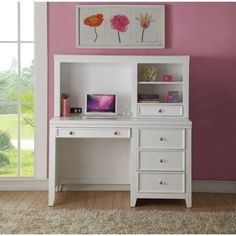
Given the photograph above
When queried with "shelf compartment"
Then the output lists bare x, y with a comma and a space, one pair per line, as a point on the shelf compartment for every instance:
173, 69
162, 91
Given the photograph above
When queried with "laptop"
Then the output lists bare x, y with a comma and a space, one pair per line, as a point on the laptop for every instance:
101, 105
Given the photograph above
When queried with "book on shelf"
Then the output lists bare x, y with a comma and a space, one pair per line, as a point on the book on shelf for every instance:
148, 98
148, 101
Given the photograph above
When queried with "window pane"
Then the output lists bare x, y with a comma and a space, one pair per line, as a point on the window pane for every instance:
27, 55
27, 140
8, 72
8, 21
27, 20
8, 140
27, 72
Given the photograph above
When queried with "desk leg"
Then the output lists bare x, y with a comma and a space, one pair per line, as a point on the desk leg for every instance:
188, 198
52, 168
188, 201
133, 164
133, 201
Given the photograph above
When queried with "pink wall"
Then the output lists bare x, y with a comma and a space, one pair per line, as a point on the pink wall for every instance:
206, 32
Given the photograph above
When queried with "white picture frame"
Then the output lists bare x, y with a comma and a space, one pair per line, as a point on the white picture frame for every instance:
120, 26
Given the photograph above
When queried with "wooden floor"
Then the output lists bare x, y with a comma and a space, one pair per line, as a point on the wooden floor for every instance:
113, 200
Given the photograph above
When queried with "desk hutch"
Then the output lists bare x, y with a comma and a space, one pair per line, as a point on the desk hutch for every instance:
146, 149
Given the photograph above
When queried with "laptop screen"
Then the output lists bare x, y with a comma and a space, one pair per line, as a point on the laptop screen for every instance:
101, 103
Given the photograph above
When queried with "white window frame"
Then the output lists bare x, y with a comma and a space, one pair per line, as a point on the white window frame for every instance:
41, 75
18, 103
39, 181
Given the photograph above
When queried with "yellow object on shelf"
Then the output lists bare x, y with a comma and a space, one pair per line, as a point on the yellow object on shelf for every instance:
148, 74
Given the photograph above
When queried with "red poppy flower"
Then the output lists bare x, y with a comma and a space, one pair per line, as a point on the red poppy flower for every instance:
94, 20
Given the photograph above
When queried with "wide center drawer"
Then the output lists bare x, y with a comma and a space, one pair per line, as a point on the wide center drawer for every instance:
93, 133
162, 138
161, 160
161, 183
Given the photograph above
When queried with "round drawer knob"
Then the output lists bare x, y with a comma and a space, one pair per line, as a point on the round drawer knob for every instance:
71, 132
160, 110
162, 139
161, 182
161, 160
116, 133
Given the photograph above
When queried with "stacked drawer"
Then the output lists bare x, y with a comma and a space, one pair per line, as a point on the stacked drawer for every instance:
161, 161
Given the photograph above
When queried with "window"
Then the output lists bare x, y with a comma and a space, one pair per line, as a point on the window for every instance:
17, 122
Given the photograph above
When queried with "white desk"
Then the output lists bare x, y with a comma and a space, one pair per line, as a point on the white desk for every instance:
160, 153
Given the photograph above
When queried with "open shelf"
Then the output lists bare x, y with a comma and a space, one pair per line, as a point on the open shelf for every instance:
159, 88
122, 75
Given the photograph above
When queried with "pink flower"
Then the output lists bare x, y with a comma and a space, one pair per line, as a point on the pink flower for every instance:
119, 23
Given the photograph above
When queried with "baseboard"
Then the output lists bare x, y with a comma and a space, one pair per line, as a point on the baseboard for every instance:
42, 185
214, 186
23, 184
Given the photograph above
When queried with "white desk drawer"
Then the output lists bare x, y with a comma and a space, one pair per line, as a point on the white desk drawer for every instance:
162, 138
159, 110
161, 160
162, 183
93, 133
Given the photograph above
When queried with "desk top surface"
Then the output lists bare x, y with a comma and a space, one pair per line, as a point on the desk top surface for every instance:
82, 121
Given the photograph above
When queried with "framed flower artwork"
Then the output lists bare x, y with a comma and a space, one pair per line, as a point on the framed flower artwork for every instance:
120, 26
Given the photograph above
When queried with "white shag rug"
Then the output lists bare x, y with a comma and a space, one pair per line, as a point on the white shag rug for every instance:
81, 221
